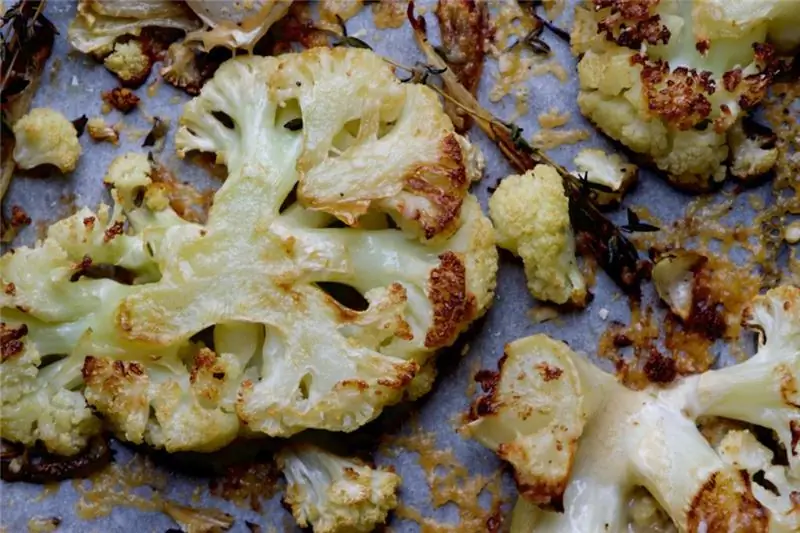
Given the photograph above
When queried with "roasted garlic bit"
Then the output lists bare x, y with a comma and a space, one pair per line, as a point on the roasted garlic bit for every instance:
675, 277
100, 131
46, 137
580, 442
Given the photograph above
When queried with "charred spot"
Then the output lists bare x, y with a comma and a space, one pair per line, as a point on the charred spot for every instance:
546, 494
113, 231
452, 305
10, 289
707, 315
702, 46
549, 373
464, 29
88, 223
358, 384
630, 23
11, 340
794, 426
726, 498
732, 79
660, 369
19, 217
121, 98
86, 268
36, 465
494, 523
204, 360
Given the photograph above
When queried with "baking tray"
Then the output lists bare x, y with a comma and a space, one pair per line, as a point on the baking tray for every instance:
72, 84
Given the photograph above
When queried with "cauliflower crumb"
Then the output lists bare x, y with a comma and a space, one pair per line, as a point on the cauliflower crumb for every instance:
553, 119
45, 136
603, 313
100, 131
129, 63
608, 170
531, 217
792, 232
549, 139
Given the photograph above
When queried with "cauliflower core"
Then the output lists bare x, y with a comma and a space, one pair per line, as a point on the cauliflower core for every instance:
132, 287
545, 398
334, 494
45, 137
668, 78
531, 216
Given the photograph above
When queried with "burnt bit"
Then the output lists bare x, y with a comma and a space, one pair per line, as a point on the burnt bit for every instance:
679, 96
11, 340
707, 315
10, 289
19, 217
113, 231
488, 380
549, 373
630, 23
464, 28
702, 46
121, 98
80, 124
794, 426
726, 498
660, 369
157, 133
453, 307
36, 465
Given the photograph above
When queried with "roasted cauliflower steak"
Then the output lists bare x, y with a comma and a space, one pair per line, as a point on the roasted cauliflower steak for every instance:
382, 206
580, 442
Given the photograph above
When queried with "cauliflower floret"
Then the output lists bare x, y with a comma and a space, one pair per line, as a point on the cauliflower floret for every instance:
669, 78
236, 25
336, 494
649, 438
531, 217
40, 405
126, 290
753, 152
45, 137
741, 450
99, 23
129, 63
609, 171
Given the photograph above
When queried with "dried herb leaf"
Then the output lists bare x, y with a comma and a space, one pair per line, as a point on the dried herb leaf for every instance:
635, 225
157, 132
295, 124
80, 124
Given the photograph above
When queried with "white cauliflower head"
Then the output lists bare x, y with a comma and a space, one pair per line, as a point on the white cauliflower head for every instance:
133, 286
238, 24
649, 438
531, 217
46, 137
668, 78
334, 494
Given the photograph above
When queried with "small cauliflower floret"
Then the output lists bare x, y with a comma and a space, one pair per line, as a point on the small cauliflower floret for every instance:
531, 217
129, 63
41, 405
753, 150
669, 78
649, 438
334, 494
778, 492
609, 171
675, 277
45, 137
236, 25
